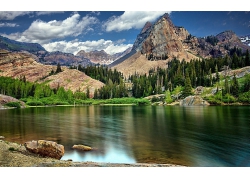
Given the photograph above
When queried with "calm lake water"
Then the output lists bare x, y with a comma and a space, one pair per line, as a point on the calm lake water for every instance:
192, 136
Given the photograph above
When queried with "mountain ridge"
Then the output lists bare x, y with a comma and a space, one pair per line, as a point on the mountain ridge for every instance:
163, 41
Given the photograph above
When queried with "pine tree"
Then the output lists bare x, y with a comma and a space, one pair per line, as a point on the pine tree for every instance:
217, 74
226, 86
188, 87
58, 69
247, 58
96, 94
88, 93
235, 87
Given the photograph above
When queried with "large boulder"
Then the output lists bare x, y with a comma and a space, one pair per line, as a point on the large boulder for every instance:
45, 148
193, 101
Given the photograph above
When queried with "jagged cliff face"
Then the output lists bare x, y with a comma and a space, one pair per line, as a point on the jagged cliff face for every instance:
163, 39
19, 64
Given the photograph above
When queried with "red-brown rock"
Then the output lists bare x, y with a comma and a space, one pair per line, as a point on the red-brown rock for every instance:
45, 148
82, 147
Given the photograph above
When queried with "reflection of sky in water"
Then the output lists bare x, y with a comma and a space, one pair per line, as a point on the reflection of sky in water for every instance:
111, 155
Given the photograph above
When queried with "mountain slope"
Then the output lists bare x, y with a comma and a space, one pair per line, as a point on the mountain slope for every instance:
19, 64
12, 45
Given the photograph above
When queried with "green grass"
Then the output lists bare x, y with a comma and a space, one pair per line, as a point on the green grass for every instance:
53, 100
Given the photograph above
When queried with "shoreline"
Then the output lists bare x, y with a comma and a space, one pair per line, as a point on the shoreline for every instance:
15, 155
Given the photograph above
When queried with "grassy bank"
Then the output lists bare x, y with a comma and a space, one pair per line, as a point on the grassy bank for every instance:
50, 101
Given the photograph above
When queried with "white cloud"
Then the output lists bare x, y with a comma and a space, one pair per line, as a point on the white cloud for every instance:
131, 19
10, 15
8, 25
43, 32
75, 46
39, 13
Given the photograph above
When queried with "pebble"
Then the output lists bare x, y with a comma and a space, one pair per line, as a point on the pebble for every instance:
2, 137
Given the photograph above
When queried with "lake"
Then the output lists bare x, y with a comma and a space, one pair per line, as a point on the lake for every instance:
192, 136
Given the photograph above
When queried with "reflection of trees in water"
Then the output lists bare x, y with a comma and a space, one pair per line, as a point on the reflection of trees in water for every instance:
217, 135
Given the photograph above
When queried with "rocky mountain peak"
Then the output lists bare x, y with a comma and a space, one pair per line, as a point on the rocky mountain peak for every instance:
147, 26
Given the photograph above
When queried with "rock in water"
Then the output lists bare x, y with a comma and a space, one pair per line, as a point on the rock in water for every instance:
45, 148
82, 147
193, 101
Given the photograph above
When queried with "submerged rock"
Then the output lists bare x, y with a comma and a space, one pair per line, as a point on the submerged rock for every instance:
82, 147
2, 137
45, 148
193, 101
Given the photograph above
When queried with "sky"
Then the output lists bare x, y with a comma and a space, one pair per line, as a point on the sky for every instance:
110, 30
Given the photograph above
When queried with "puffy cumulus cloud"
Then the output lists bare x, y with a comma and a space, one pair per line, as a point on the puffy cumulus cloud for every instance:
8, 25
10, 15
75, 46
131, 19
43, 32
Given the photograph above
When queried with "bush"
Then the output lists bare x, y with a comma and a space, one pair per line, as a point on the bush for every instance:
141, 102
35, 103
244, 97
154, 99
13, 104
213, 100
12, 149
228, 98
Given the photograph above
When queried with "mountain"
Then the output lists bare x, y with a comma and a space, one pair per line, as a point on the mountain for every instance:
101, 57
65, 59
12, 45
43, 56
163, 41
19, 64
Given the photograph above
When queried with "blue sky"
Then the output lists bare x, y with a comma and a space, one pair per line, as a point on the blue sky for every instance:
113, 31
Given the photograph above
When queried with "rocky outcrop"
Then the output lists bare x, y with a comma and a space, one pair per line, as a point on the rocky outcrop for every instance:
45, 148
193, 101
82, 147
7, 99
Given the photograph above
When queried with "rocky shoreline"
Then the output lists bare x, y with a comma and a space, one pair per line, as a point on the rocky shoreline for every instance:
15, 155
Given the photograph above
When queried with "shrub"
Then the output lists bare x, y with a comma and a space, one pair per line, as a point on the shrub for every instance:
154, 99
35, 103
13, 104
228, 98
244, 97
12, 149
